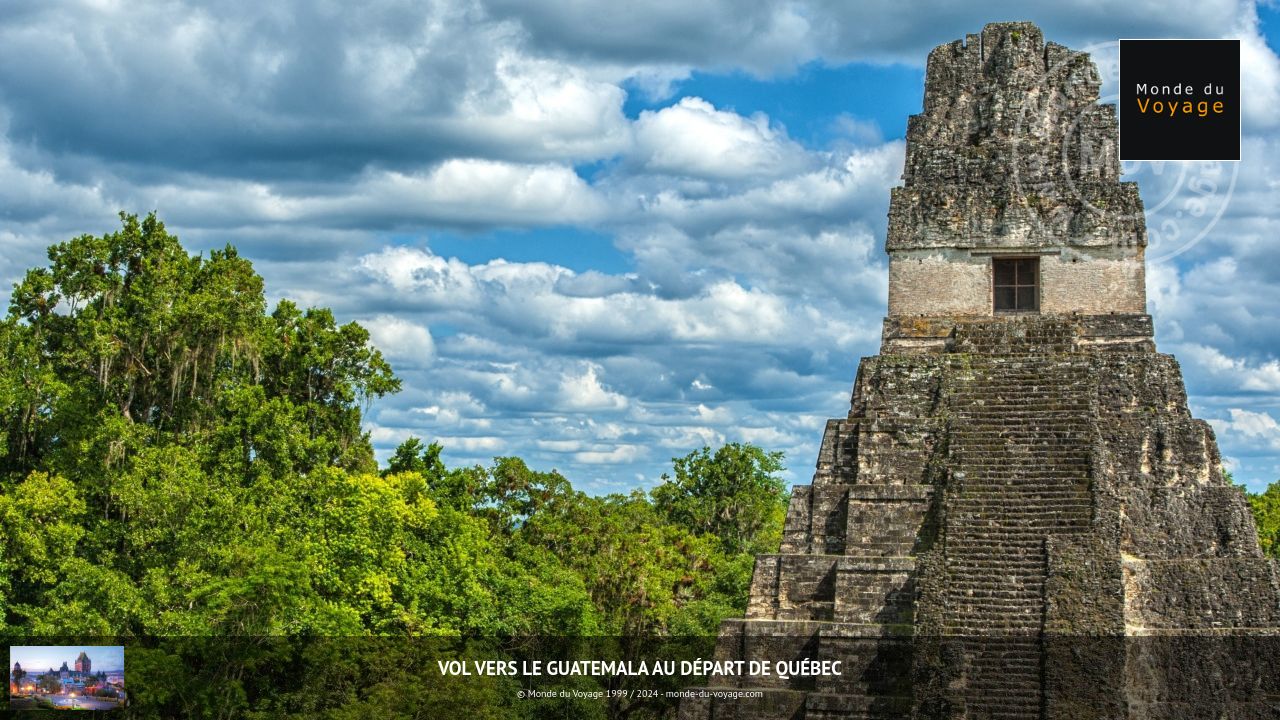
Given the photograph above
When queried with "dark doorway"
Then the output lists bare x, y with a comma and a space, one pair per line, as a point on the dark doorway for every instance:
1017, 284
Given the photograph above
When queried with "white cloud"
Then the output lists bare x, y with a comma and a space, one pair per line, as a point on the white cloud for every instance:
859, 131
459, 190
693, 138
559, 446
1254, 428
1259, 76
410, 270
452, 409
619, 455
712, 416
769, 437
690, 437
550, 103
481, 444
387, 436
583, 392
400, 339
844, 187
1260, 377
527, 299
487, 191
767, 38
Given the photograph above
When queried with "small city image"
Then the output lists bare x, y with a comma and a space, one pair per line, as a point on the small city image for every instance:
66, 677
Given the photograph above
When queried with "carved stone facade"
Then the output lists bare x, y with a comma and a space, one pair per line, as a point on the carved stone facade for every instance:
1013, 156
1019, 517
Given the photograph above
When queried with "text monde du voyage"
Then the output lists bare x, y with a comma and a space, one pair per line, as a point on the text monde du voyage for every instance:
1181, 99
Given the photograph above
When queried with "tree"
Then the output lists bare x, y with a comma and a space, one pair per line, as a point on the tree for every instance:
411, 457
129, 331
513, 492
735, 494
41, 522
1266, 513
137, 325
157, 428
325, 369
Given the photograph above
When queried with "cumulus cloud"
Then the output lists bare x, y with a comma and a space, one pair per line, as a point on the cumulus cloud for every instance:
489, 192
1259, 377
651, 357
400, 339
1259, 75
762, 35
1256, 425
425, 275
528, 301
694, 138
1254, 439
844, 187
294, 88
768, 37
619, 455
583, 391
559, 106
459, 191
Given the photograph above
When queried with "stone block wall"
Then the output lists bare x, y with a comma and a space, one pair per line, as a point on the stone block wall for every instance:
959, 282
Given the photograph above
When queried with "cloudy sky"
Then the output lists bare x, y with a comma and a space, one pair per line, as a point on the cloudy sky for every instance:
596, 234
41, 658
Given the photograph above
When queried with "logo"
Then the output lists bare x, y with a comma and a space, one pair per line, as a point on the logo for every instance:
1179, 100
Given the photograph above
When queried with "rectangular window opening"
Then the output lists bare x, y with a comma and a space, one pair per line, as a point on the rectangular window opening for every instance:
1016, 285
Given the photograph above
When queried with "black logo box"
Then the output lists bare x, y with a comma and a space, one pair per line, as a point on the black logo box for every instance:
1186, 68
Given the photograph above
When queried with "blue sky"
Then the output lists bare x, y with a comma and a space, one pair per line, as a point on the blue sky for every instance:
40, 658
592, 235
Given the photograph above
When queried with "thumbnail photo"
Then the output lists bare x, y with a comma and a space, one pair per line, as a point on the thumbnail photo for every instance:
66, 677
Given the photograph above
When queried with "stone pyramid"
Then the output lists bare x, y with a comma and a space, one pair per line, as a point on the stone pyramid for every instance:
1019, 517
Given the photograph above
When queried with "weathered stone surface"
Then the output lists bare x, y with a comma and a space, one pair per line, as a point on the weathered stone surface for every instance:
1019, 517
1012, 156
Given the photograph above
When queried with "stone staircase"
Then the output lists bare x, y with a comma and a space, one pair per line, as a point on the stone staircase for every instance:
1016, 417
1019, 460
856, 605
983, 515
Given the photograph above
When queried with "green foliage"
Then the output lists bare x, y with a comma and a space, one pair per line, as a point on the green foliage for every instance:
40, 523
325, 369
1265, 507
1266, 513
179, 465
125, 339
412, 457
733, 495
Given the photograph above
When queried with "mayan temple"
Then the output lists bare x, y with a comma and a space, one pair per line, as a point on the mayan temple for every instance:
1019, 518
